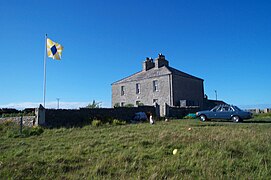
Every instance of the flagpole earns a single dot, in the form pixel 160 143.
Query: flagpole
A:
pixel 44 71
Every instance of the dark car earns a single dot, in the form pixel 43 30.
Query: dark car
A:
pixel 224 111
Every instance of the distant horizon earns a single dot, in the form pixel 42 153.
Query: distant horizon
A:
pixel 77 105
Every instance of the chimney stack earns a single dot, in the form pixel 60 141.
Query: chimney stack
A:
pixel 161 61
pixel 148 64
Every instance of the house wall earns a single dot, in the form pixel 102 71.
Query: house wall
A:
pixel 146 95
pixel 187 89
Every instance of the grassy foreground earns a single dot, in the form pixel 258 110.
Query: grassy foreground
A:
pixel 209 150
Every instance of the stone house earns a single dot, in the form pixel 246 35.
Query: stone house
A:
pixel 158 83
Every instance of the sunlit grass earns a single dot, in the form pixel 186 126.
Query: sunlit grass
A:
pixel 208 150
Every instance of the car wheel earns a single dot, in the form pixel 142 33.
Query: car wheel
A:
pixel 203 118
pixel 236 119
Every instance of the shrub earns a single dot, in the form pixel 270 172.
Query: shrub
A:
pixel 35 131
pixel 94 104
pixel 116 105
pixel 5 115
pixel 118 122
pixel 26 132
pixel 129 105
pixel 9 123
pixel 96 123
pixel 262 115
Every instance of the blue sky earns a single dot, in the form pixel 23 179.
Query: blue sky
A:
pixel 225 42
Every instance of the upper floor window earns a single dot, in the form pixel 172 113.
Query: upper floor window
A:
pixel 122 90
pixel 137 88
pixel 155 85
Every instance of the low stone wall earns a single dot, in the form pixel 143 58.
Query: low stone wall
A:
pixel 84 116
pixel 27 120
pixel 180 112
pixel 257 111
pixel 65 117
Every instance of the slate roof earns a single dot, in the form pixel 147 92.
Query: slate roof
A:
pixel 155 72
pixel 180 73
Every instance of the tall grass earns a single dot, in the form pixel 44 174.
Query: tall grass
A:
pixel 209 150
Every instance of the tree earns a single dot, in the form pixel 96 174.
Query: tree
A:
pixel 94 104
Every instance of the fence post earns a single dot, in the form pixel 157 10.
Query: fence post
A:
pixel 40 115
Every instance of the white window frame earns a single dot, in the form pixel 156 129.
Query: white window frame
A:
pixel 155 85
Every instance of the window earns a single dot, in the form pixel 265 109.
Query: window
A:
pixel 122 104
pixel 137 88
pixel 155 85
pixel 137 103
pixel 155 101
pixel 122 90
pixel 225 108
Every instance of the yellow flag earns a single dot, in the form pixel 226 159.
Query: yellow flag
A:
pixel 54 50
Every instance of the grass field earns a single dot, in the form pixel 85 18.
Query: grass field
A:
pixel 210 150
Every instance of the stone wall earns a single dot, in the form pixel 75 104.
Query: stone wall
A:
pixel 83 116
pixel 258 111
pixel 27 120
pixel 180 112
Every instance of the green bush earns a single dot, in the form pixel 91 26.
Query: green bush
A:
pixel 129 105
pixel 34 131
pixel 116 105
pixel 14 131
pixel 8 123
pixel 8 127
pixel 262 115
pixel 94 104
pixel 96 123
pixel 5 115
pixel 118 122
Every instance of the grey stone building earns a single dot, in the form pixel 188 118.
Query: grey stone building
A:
pixel 158 83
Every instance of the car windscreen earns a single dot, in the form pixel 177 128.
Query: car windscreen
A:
pixel 237 108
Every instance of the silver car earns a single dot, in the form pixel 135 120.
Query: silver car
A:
pixel 224 111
